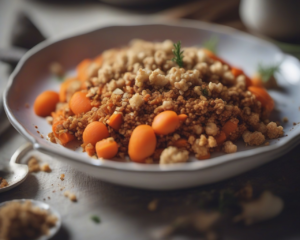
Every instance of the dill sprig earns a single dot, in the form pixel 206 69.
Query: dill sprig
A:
pixel 95 219
pixel 178 54
pixel 267 72
pixel 211 44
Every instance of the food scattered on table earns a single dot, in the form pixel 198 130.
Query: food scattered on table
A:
pixel 95 219
pixel 3 182
pixel 71 196
pixel 62 176
pixel 266 207
pixel 23 221
pixel 159 103
pixel 34 166
pixel 46 168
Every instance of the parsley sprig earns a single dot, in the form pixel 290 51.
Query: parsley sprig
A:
pixel 212 44
pixel 267 72
pixel 178 54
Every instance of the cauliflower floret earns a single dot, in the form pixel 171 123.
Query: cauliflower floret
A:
pixel 261 127
pixel 212 142
pixel 211 129
pixel 136 101
pixel 216 68
pixel 173 155
pixel 273 131
pixel 253 139
pixel 202 140
pixel 198 129
pixel 167 105
pixel 142 76
pixel 229 147
pixel 157 78
pixel 215 87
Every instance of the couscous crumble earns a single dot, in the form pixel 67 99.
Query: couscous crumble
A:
pixel 138 92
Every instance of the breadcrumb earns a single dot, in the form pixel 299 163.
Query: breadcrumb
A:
pixel 285 119
pixel 33 165
pixel 172 155
pixel 46 168
pixel 273 131
pixel 62 176
pixel 71 196
pixel 229 147
pixel 253 139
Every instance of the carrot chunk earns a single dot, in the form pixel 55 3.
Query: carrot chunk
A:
pixel 61 136
pixel 94 132
pixel 115 121
pixel 107 148
pixel 220 138
pixel 180 143
pixel 82 69
pixel 165 123
pixel 230 126
pixel 207 156
pixel 142 143
pixel 79 103
pixel 236 72
pixel 45 103
pixel 182 117
pixel 263 96
pixel 63 89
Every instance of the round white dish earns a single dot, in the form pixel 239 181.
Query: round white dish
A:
pixel 45 206
pixel 31 77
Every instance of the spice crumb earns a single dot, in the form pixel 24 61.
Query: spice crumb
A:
pixel 46 168
pixel 294 123
pixel 36 127
pixel 62 177
pixel 71 196
pixel 267 143
pixel 285 119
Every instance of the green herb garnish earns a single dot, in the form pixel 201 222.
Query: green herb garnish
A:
pixel 211 44
pixel 205 92
pixel 267 72
pixel 96 219
pixel 178 54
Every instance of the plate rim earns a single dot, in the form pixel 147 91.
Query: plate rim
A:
pixel 127 166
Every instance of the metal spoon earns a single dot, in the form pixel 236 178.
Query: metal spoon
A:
pixel 14 172
pixel 41 205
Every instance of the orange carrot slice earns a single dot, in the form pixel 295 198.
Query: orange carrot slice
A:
pixel 79 103
pixel 45 103
pixel 115 121
pixel 165 122
pixel 142 143
pixel 230 126
pixel 220 138
pixel 180 143
pixel 61 137
pixel 263 96
pixel 107 148
pixel 95 132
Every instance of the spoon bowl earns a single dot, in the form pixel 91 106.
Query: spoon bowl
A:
pixel 14 172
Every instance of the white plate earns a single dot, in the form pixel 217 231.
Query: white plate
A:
pixel 31 77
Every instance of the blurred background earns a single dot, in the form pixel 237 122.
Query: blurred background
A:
pixel 25 23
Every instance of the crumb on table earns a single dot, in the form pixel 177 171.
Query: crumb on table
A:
pixel 46 168
pixel 71 196
pixel 62 176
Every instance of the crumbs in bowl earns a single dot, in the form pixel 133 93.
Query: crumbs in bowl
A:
pixel 23 221
pixel 3 182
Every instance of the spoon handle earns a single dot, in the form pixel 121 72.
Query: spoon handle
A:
pixel 20 152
